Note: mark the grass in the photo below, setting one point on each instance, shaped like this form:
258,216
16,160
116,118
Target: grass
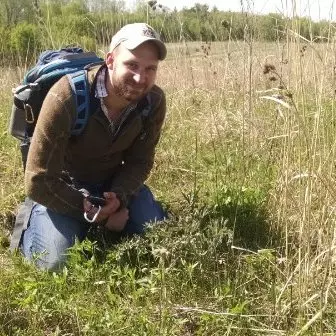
250,245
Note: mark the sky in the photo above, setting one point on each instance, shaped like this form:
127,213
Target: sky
315,9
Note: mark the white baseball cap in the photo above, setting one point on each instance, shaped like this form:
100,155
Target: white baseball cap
134,34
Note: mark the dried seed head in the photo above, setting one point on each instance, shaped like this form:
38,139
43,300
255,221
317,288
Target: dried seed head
268,68
151,3
225,24
303,50
289,94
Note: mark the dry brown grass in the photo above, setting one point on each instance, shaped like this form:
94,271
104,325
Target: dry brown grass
216,97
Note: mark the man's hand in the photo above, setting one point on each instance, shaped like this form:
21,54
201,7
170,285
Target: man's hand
118,220
112,205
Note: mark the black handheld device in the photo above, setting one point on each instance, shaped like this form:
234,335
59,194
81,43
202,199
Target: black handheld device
96,200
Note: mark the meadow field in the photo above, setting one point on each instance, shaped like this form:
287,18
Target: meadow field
246,169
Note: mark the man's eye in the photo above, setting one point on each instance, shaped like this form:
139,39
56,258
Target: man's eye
132,66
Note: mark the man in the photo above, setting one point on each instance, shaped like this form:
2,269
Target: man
111,159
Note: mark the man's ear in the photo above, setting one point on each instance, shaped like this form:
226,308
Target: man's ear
109,60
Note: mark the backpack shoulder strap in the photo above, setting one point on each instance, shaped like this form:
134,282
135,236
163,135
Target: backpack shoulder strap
80,91
21,223
145,113
147,108
153,101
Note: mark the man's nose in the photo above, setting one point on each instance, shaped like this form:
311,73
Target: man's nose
139,77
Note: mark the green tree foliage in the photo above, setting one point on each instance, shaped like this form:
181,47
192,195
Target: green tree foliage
201,11
271,27
14,11
5,41
110,6
91,23
77,7
25,38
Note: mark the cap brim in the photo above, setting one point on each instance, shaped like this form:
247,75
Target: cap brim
133,44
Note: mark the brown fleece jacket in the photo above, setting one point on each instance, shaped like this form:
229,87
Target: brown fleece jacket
95,156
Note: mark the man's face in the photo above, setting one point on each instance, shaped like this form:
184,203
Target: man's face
132,73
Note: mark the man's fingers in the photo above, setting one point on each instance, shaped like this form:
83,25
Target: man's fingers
112,205
118,220
110,195
124,212
112,199
87,205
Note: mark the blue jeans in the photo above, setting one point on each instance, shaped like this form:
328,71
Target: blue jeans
50,234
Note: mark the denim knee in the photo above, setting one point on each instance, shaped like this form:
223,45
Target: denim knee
143,209
48,236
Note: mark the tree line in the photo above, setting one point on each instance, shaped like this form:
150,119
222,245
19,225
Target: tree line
27,27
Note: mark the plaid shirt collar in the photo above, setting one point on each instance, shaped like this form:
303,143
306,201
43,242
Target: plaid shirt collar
101,91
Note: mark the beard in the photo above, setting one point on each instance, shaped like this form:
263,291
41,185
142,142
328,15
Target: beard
128,89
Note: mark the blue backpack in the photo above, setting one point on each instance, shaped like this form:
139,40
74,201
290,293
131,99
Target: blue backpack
29,96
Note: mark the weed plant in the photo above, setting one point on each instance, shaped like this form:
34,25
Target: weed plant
245,167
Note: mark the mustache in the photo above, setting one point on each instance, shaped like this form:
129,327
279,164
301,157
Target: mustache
135,84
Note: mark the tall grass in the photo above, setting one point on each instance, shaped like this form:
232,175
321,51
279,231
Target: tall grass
246,168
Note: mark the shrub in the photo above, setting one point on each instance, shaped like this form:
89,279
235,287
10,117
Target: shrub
25,39
88,43
5,46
